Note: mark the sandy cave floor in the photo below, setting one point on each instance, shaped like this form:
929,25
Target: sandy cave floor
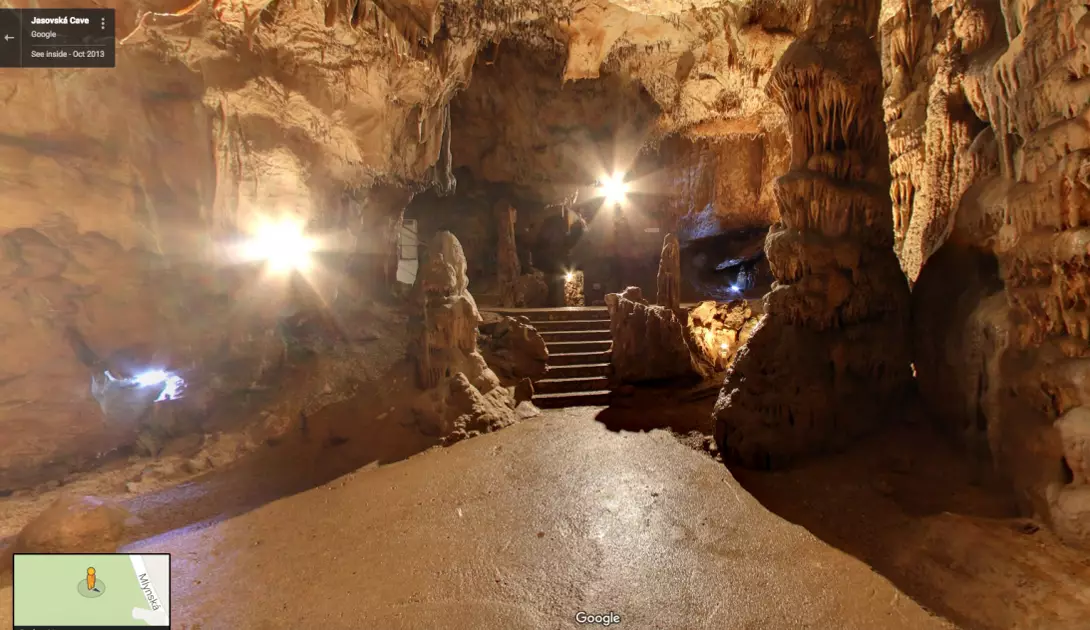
567,512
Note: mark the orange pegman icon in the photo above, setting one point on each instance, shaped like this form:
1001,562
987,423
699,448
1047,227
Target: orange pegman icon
91,578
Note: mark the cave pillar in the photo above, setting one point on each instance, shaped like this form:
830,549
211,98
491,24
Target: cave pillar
669,278
831,355
507,259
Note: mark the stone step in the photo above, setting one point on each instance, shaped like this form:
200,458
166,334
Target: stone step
598,398
568,385
571,324
578,358
575,335
578,346
573,371
555,314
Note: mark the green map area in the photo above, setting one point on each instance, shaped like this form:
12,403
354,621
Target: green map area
53,590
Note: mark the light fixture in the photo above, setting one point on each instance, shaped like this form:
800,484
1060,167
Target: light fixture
170,385
282,244
614,189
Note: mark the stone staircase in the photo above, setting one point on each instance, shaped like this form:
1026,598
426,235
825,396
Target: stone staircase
579,346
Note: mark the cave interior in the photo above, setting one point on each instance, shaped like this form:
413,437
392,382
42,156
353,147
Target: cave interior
788,296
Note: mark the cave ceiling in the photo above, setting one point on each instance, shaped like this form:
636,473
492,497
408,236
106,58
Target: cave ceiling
362,89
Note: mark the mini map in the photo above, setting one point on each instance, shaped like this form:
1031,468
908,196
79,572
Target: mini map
92,590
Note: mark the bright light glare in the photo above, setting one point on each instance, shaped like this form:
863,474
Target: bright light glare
172,384
568,276
735,288
283,245
614,189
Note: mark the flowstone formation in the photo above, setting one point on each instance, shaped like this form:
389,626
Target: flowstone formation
831,354
1013,383
648,341
719,330
462,396
574,289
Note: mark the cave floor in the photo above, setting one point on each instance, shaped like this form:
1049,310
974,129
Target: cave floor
524,528
600,510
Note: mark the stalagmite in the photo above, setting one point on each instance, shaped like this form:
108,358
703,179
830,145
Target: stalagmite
669,278
507,259
461,395
831,353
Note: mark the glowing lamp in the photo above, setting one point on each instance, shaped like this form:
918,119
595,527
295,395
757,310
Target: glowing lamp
283,246
614,189
568,276
170,385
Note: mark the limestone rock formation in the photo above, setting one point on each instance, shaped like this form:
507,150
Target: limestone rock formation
719,184
648,341
533,290
991,165
831,353
513,348
74,524
461,394
574,289
669,278
719,330
121,185
507,257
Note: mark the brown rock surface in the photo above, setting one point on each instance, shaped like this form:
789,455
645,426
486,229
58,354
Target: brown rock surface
71,524
669,277
648,341
119,184
831,352
462,396
986,108
719,331
512,347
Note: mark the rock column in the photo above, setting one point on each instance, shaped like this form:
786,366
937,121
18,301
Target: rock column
669,278
507,259
831,355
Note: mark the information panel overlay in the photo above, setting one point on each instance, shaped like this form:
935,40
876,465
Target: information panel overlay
91,591
57,38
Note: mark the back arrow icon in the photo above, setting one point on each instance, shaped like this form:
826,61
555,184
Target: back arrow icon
8,38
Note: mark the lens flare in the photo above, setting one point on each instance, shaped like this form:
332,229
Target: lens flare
283,245
171,384
614,189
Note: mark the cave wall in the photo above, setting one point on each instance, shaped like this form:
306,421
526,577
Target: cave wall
722,184
123,184
1014,200
119,181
